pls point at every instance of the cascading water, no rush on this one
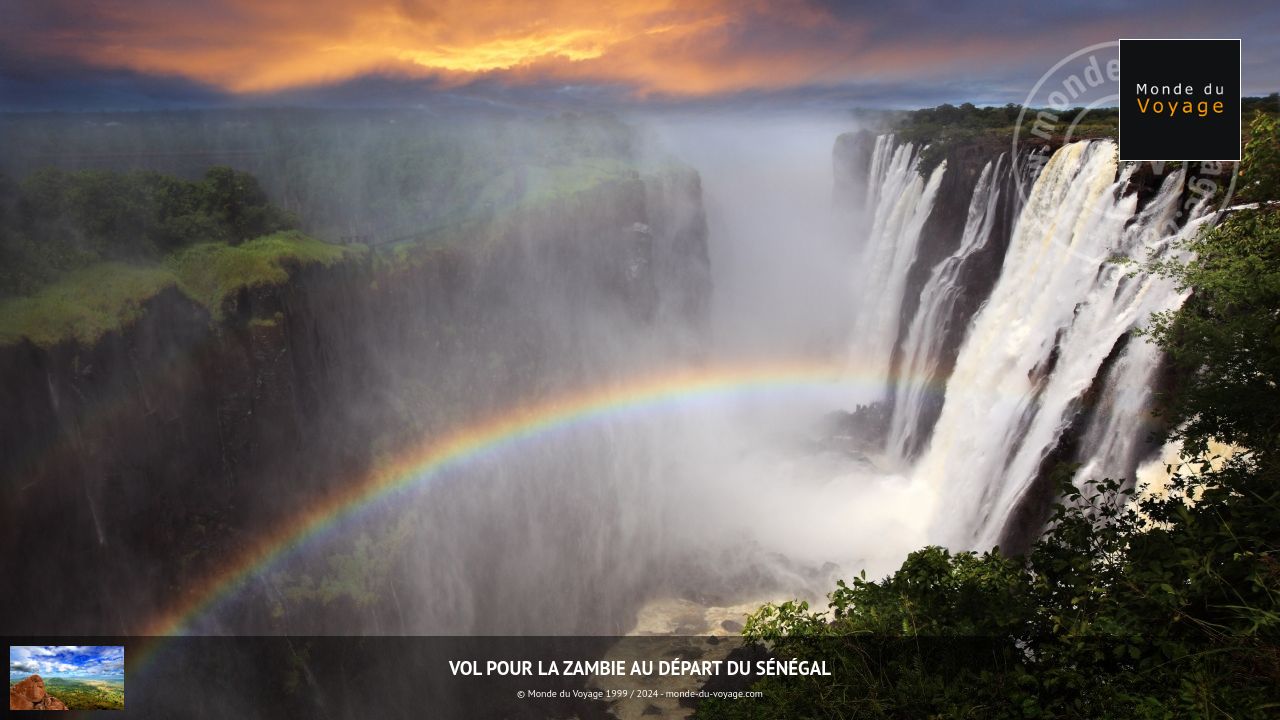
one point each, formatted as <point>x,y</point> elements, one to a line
<point>919,372</point>
<point>899,203</point>
<point>1116,438</point>
<point>1056,313</point>
<point>729,499</point>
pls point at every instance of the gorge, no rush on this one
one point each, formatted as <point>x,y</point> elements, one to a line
<point>748,366</point>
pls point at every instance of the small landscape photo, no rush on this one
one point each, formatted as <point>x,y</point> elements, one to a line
<point>66,677</point>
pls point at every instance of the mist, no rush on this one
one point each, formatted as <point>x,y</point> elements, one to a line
<point>487,264</point>
<point>736,498</point>
<point>705,334</point>
<point>781,269</point>
<point>731,499</point>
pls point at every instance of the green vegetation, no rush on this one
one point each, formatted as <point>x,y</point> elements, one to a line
<point>378,176</point>
<point>357,578</point>
<point>948,126</point>
<point>81,251</point>
<point>86,694</point>
<point>89,302</point>
<point>84,305</point>
<point>54,221</point>
<point>1159,604</point>
<point>1226,337</point>
<point>84,251</point>
<point>212,272</point>
<point>360,577</point>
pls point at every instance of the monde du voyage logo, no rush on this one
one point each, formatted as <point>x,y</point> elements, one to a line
<point>1180,100</point>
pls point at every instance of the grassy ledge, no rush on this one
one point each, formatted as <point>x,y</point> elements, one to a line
<point>211,272</point>
<point>90,302</point>
<point>84,305</point>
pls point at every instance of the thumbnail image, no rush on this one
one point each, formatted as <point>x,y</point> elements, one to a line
<point>66,677</point>
<point>641,359</point>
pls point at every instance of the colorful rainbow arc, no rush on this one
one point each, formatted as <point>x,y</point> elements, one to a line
<point>428,459</point>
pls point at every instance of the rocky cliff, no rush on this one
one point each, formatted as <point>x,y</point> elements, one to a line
<point>162,447</point>
<point>29,694</point>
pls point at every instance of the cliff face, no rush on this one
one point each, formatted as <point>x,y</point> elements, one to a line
<point>138,463</point>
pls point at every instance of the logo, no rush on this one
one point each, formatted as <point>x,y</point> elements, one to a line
<point>1180,100</point>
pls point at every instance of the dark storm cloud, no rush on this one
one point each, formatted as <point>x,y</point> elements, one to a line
<point>34,84</point>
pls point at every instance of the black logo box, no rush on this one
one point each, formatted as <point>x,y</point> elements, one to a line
<point>1180,65</point>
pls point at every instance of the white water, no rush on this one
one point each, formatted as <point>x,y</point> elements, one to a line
<point>1029,358</point>
<point>1118,435</point>
<point>899,203</point>
<point>731,499</point>
<point>1055,314</point>
<point>918,374</point>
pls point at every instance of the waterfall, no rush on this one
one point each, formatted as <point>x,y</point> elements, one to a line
<point>1118,435</point>
<point>918,373</point>
<point>899,202</point>
<point>1057,311</point>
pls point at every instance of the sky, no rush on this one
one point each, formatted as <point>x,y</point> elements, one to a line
<point>66,661</point>
<point>143,54</point>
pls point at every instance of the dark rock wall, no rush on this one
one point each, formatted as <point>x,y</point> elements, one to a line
<point>138,464</point>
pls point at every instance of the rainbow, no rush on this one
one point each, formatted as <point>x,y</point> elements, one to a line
<point>427,460</point>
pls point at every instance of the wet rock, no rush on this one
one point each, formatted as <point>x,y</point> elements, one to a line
<point>862,430</point>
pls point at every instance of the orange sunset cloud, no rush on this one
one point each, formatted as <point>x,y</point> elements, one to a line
<point>653,46</point>
<point>638,49</point>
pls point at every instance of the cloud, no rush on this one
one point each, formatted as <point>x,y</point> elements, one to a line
<point>40,83</point>
<point>66,661</point>
<point>158,53</point>
<point>654,46</point>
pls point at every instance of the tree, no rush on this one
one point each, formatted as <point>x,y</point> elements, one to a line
<point>1260,166</point>
<point>1225,339</point>
<point>55,221</point>
<point>237,202</point>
